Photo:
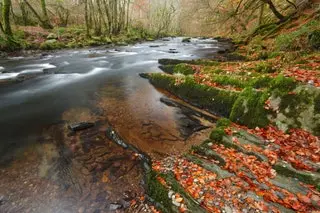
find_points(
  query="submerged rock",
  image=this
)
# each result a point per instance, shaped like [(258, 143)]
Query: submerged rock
[(153, 46), (80, 126)]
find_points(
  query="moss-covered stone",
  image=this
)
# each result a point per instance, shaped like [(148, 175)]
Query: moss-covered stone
[(184, 69), (249, 108), (167, 68), (223, 123), (204, 150), (186, 40), (217, 134), (304, 176), (158, 192), (168, 61), (217, 101)]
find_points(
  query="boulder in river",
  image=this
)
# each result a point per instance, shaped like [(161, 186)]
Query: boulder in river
[(153, 46), (186, 40), (173, 51), (80, 126)]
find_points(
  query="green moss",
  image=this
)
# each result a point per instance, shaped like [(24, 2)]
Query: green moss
[(158, 192), (264, 67), (217, 101), (274, 54), (295, 103), (184, 69), (283, 84), (286, 170), (229, 80), (314, 39), (217, 134), (260, 82), (223, 122), (317, 104), (167, 68), (51, 45), (168, 61), (249, 108), (300, 38)]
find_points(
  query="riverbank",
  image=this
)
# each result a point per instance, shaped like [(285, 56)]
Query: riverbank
[(263, 154), (34, 40)]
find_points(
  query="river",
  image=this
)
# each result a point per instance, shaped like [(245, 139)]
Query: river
[(39, 93)]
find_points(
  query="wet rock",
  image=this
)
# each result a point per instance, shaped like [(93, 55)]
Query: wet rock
[(80, 126), (144, 75), (186, 40), (2, 199), (221, 51), (115, 206), (166, 39), (81, 210), (154, 46), (3, 54), (173, 51)]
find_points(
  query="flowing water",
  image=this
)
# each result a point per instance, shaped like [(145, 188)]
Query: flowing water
[(39, 96)]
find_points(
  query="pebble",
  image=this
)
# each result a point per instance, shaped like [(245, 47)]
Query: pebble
[(176, 203), (170, 193), (81, 210)]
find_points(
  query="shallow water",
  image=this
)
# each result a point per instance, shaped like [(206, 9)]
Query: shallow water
[(65, 172), (72, 78)]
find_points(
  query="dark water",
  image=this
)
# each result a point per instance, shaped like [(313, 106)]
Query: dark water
[(72, 78)]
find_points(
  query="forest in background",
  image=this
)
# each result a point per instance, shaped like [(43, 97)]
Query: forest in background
[(29, 24)]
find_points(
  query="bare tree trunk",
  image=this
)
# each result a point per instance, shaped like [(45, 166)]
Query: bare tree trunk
[(1, 27), (43, 23), (23, 12), (128, 10), (86, 18), (6, 17), (106, 7), (101, 15), (261, 14), (274, 9), (44, 11)]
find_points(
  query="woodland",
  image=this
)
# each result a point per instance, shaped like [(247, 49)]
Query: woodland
[(261, 94)]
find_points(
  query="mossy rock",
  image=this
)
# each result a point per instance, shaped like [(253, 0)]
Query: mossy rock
[(186, 40), (283, 84), (249, 108), (260, 82), (167, 68), (52, 45), (216, 101), (169, 61), (223, 122), (158, 192), (217, 134), (184, 69), (286, 169)]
